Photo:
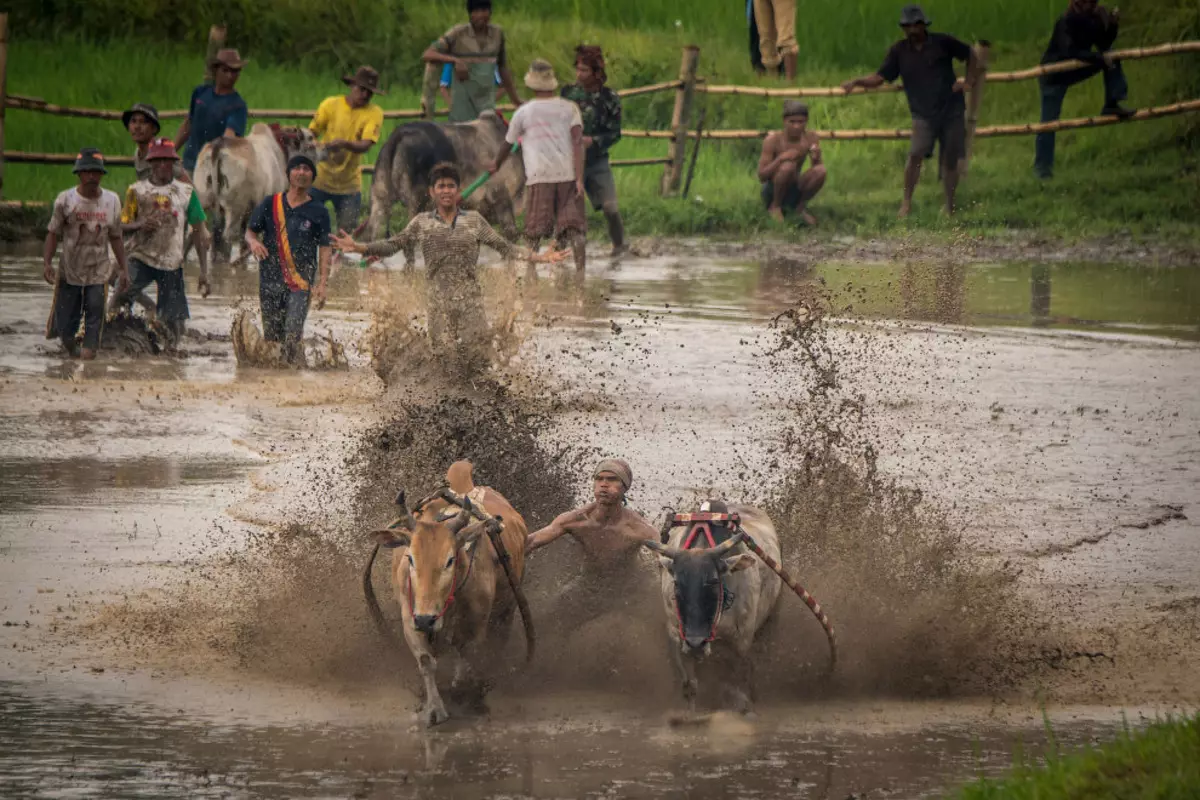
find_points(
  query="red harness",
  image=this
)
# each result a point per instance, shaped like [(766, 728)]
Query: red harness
[(701, 523)]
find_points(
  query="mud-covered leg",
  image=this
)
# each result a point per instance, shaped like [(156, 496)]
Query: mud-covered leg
[(685, 666), (433, 710), (741, 682)]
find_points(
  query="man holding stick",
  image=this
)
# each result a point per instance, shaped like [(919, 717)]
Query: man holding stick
[(925, 61), (784, 185), (1086, 32)]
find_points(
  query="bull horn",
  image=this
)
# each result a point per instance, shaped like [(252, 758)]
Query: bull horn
[(727, 545), (661, 549), (406, 519), (458, 523)]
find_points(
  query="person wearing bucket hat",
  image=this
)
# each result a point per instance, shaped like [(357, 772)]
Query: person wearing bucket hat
[(87, 220), (780, 167), (925, 61), (141, 120), (157, 212), (215, 110), (550, 130), (293, 257), (1085, 32), (477, 50), (348, 125)]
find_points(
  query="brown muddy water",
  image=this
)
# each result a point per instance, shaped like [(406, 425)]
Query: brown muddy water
[(179, 538)]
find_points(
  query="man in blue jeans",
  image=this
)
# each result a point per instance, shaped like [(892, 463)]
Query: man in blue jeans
[(1086, 32)]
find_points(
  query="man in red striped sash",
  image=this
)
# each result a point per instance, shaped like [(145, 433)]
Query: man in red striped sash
[(293, 257)]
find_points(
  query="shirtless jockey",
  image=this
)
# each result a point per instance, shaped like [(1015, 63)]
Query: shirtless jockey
[(611, 535), (785, 183)]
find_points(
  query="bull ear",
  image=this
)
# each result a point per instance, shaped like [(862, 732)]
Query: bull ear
[(666, 564), (737, 563), (392, 537)]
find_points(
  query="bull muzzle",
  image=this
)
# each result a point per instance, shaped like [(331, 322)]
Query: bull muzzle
[(697, 646), (426, 623)]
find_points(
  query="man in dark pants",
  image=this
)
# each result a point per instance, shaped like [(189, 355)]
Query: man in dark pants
[(88, 221), (293, 252), (935, 98), (1085, 33)]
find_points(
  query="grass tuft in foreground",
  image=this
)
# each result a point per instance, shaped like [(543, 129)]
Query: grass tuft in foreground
[(1161, 762)]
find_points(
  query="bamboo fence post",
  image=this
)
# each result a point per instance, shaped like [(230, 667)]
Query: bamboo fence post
[(976, 81), (3, 89), (216, 40), (429, 90), (680, 118)]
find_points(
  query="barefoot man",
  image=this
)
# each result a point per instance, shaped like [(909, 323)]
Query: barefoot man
[(784, 185), (611, 536)]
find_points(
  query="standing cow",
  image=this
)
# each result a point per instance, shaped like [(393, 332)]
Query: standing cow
[(453, 593), (719, 595), (402, 172), (234, 174)]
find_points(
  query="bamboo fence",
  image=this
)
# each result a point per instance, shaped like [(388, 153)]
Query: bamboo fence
[(685, 87)]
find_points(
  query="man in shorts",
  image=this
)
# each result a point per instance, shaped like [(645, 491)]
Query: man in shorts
[(785, 184), (925, 61), (550, 130), (600, 108)]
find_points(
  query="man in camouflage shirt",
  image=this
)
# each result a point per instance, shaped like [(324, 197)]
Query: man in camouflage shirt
[(600, 108)]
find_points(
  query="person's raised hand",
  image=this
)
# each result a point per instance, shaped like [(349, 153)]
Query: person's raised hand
[(343, 241)]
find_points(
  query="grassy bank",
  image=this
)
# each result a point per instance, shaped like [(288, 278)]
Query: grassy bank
[(1161, 762), (1141, 177)]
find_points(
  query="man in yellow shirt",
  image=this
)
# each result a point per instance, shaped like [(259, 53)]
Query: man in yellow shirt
[(348, 125)]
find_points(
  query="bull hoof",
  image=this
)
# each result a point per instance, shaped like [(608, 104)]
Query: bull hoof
[(434, 715)]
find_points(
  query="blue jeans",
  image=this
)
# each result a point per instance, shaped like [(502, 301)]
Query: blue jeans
[(1053, 94), (345, 206)]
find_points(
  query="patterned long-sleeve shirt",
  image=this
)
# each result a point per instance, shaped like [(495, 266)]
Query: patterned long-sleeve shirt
[(448, 247), (601, 112)]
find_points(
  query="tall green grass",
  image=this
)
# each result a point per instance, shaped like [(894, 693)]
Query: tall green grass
[(1133, 177), (1161, 762)]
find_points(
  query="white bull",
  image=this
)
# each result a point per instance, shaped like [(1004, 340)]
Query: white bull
[(234, 174), (719, 596)]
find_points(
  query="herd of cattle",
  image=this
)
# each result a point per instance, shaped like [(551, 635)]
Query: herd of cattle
[(458, 590), (233, 175)]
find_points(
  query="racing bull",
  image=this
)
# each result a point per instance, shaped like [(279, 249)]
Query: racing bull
[(717, 593), (455, 598)]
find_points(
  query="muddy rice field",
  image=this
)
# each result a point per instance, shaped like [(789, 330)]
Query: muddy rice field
[(986, 471)]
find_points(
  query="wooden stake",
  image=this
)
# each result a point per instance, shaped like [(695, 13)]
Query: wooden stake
[(680, 119), (976, 80), (3, 89), (216, 40), (429, 90)]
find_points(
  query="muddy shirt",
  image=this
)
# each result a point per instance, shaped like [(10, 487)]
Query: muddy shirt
[(85, 228), (543, 126), (307, 232), (484, 56), (928, 74), (601, 113), (162, 247)]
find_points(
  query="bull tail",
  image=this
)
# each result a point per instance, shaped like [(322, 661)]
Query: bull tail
[(373, 603), (459, 477)]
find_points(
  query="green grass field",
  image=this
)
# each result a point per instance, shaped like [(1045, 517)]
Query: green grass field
[(1161, 762), (1139, 177)]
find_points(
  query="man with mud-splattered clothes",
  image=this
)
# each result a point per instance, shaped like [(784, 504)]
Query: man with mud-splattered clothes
[(611, 534)]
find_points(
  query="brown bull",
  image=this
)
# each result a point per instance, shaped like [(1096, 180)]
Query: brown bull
[(453, 593)]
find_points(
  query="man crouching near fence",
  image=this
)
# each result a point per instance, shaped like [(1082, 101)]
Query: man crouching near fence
[(88, 219), (785, 184)]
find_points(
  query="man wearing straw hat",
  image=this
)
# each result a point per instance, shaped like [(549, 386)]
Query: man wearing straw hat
[(349, 125), (550, 131), (215, 110), (925, 61), (784, 184), (87, 219), (1086, 32)]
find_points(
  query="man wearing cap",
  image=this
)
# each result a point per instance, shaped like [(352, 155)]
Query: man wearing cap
[(935, 98), (87, 219), (550, 130), (611, 534), (1086, 32), (141, 120), (600, 108), (157, 211), (292, 253), (215, 110), (780, 167), (476, 49), (349, 125)]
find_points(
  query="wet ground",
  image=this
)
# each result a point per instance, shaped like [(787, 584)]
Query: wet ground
[(1049, 408)]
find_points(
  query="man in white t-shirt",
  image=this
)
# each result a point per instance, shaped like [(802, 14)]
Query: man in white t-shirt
[(87, 221), (550, 130)]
